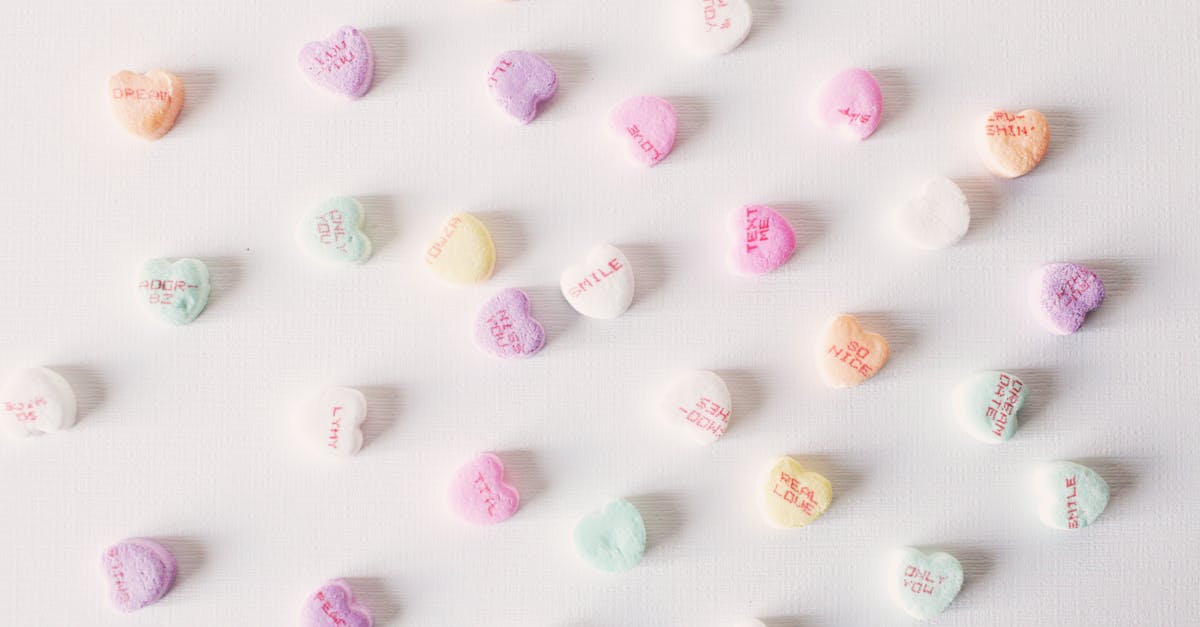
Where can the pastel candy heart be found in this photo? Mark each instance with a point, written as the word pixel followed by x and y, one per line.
pixel 851 103
pixel 36 400
pixel 506 328
pixel 986 405
pixel 713 27
pixel 334 605
pixel 332 232
pixel 924 585
pixel 613 539
pixel 139 572
pixel 847 355
pixel 1069 495
pixel 146 104
pixel 648 126
pixel 330 421
pixel 937 218
pixel 174 292
pixel 762 240
pixel 699 403
pixel 792 497
pixel 344 63
pixel 519 82
pixel 602 287
pixel 1062 294
pixel 479 494
pixel 1012 145
pixel 463 252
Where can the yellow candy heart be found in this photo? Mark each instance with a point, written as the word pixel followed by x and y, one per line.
pixel 463 251
pixel 1013 144
pixel 792 496
pixel 847 355
pixel 146 104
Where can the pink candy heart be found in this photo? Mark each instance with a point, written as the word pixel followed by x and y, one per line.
pixel 520 81
pixel 763 240
pixel 334 606
pixel 479 495
pixel 648 125
pixel 344 63
pixel 139 573
pixel 1062 294
pixel 850 102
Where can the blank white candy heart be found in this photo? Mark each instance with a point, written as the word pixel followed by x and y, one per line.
pixel 36 400
pixel 330 421
pixel 603 286
pixel 937 218
pixel 713 27
pixel 699 403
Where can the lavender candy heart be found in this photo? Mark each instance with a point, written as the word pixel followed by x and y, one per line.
pixel 520 81
pixel 344 63
pixel 139 572
pixel 334 605
pixel 1062 294
pixel 506 328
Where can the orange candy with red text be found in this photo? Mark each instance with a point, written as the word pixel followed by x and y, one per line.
pixel 847 355
pixel 146 104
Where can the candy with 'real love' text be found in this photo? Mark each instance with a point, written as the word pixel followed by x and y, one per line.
pixel 791 497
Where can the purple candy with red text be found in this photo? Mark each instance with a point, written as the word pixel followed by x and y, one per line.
pixel 1062 294
pixel 334 605
pixel 506 328
pixel 139 572
pixel 520 81
pixel 344 63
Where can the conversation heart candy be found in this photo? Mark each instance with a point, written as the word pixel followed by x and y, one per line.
pixel 146 104
pixel 602 287
pixel 924 585
pixel 712 27
pixel 937 218
pixel 344 63
pixel 334 605
pixel 174 292
pixel 647 125
pixel 850 103
pixel 479 494
pixel 1012 145
pixel 986 405
pixel 1062 294
pixel 699 403
pixel 1069 495
pixel 330 421
pixel 762 240
pixel 847 355
pixel 139 572
pixel 332 232
pixel 506 328
pixel 519 82
pixel 36 400
pixel 792 497
pixel 613 539
pixel 463 251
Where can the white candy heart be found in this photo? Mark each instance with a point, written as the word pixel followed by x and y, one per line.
pixel 699 403
pixel 937 218
pixel 924 585
pixel 713 27
pixel 330 421
pixel 603 286
pixel 36 400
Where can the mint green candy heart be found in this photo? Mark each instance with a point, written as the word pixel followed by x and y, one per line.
pixel 174 292
pixel 613 539
pixel 1070 495
pixel 986 405
pixel 332 232
pixel 924 585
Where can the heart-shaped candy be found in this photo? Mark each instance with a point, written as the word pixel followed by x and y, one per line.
pixel 924 585
pixel 334 605
pixel 344 63
pixel 463 251
pixel 330 421
pixel 506 328
pixel 648 126
pixel 937 218
pixel 847 355
pixel 762 240
pixel 479 494
pixel 332 232
pixel 792 497
pixel 1012 145
pixel 713 27
pixel 613 539
pixel 1069 495
pixel 602 287
pixel 139 572
pixel 986 405
pixel 519 82
pixel 851 103
pixel 146 104
pixel 174 292
pixel 1062 294
pixel 36 400
pixel 699 403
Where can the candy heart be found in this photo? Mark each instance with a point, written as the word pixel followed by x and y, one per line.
pixel 613 539
pixel 139 572
pixel 847 355
pixel 1012 145
pixel 36 400
pixel 986 405
pixel 519 82
pixel 146 104
pixel 479 495
pixel 937 218
pixel 344 63
pixel 506 328
pixel 1069 495
pixel 763 240
pixel 330 421
pixel 648 126
pixel 334 605
pixel 602 287
pixel 850 102
pixel 464 252
pixel 699 403
pixel 715 26
pixel 332 232
pixel 793 497
pixel 1062 294
pixel 174 292
pixel 924 585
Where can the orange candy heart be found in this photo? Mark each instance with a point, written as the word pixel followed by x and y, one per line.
pixel 146 104
pixel 1013 144
pixel 847 355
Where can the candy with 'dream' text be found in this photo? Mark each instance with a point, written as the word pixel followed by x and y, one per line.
pixel 601 287
pixel 329 421
pixel 1013 144
pixel 923 584
pixel 174 292
pixel 343 63
pixel 647 126
pixel 333 232
pixel 334 605
pixel 762 240
pixel 480 495
pixel 847 355
pixel 147 104
pixel 936 218
pixel 712 27
pixel 519 82
pixel 36 400
pixel 613 539
pixel 699 404
pixel 463 251
pixel 1069 495
pixel 850 103
pixel 790 496
pixel 986 405
pixel 139 571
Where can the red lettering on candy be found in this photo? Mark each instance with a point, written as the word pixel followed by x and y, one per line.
pixel 613 266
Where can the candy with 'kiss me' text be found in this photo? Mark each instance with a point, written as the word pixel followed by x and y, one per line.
pixel 762 240
pixel 1069 495
pixel 712 27
pixel 847 355
pixel 506 328
pixel 1013 144
pixel 647 126
pixel 174 292
pixel 699 404
pixel 36 400
pixel 936 218
pixel 1062 294
pixel 601 287
pixel 463 251
pixel 519 82
pixel 850 103
pixel 791 497
pixel 147 104
pixel 139 571
pixel 343 63
pixel 986 405
pixel 330 420
pixel 480 495
pixel 613 539
pixel 923 584
pixel 334 605
pixel 333 232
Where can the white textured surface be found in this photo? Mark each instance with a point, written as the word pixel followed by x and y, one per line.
pixel 183 432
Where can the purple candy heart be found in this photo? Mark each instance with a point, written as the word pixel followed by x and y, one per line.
pixel 1062 294
pixel 344 63
pixel 139 572
pixel 506 328
pixel 519 81
pixel 334 606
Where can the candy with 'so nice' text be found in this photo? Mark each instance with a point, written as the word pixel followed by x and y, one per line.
pixel 847 355
pixel 147 104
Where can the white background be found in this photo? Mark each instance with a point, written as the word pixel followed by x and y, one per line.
pixel 184 433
